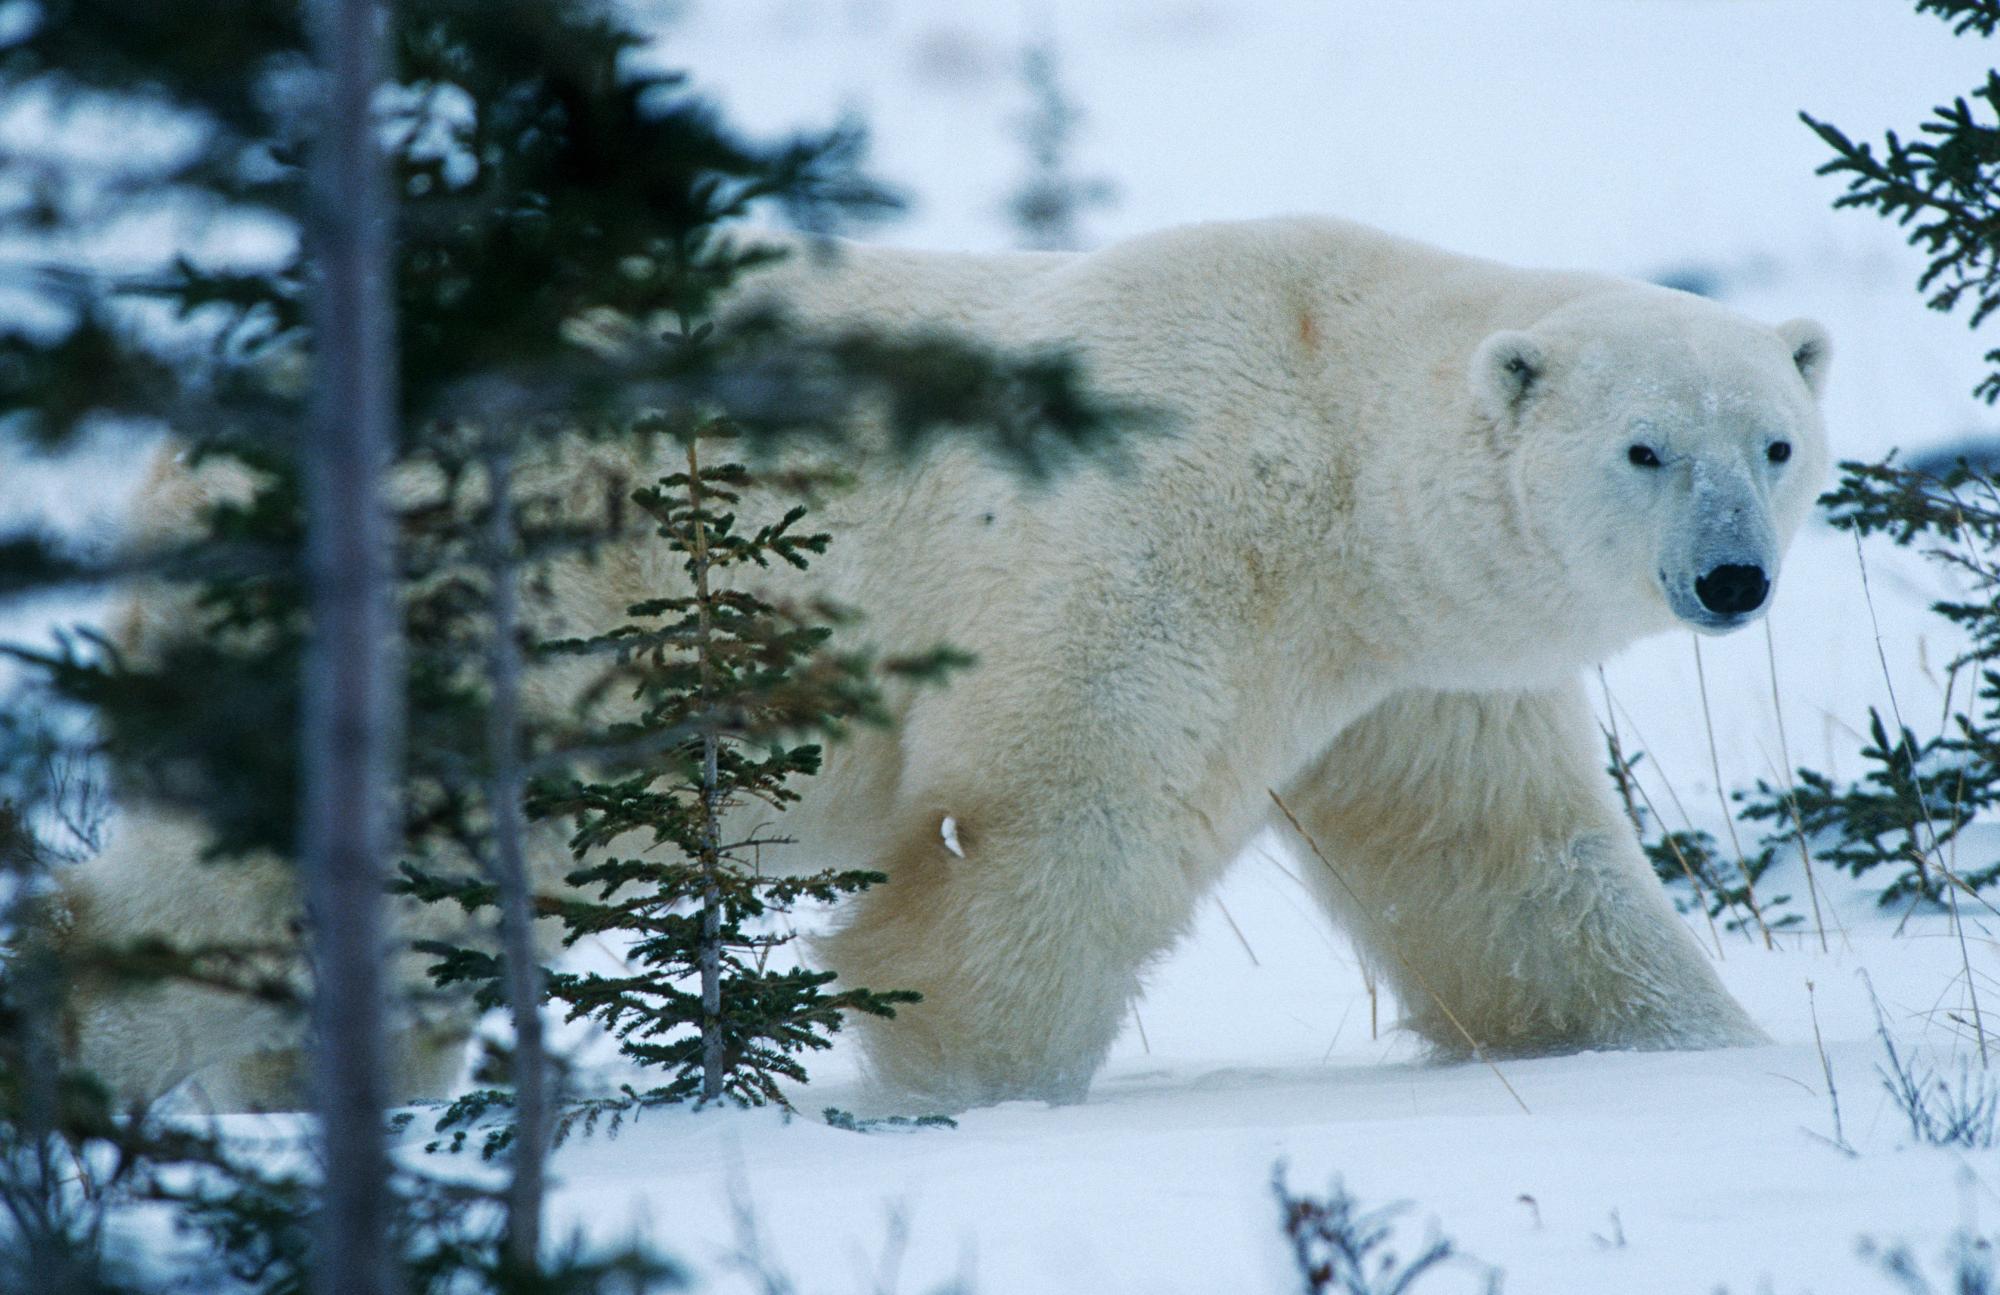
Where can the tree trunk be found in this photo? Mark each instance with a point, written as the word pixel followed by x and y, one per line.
pixel 352 702
pixel 713 1063
pixel 510 874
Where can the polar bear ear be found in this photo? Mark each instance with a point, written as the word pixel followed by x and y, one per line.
pixel 1507 372
pixel 1811 349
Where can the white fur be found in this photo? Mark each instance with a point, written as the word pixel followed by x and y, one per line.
pixel 1361 561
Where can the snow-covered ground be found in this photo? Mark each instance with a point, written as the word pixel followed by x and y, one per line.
pixel 1645 137
pixel 1678 1172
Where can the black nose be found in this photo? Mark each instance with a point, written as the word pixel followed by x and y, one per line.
pixel 1732 589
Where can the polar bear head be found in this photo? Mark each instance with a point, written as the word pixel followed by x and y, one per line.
pixel 1664 449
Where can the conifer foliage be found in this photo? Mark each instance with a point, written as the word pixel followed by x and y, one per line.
pixel 725 681
pixel 1905 815
pixel 560 200
pixel 1051 199
pixel 1939 184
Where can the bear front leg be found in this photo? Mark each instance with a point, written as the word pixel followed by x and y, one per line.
pixel 1024 933
pixel 1477 856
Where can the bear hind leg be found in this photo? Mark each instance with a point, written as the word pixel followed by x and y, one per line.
pixel 1026 947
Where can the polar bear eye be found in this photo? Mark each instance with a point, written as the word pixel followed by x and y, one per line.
pixel 1642 456
pixel 1779 451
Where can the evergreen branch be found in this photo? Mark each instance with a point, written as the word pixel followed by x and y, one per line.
pixel 1982 16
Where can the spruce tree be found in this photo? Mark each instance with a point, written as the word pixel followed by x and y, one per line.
pixel 1940 185
pixel 726 682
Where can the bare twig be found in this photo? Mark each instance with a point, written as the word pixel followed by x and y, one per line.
pixel 1621 768
pixel 1826 1068
pixel 1909 753
pixel 1791 790
pixel 1687 869
pixel 1722 798
pixel 1248 951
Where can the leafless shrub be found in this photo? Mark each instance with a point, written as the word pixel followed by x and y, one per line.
pixel 1943 1111
pixel 1341 1249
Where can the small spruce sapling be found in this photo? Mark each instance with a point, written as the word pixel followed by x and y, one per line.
pixel 1692 856
pixel 1907 810
pixel 725 682
pixel 1912 804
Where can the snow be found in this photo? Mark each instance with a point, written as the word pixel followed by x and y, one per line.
pixel 1646 137
pixel 1718 1167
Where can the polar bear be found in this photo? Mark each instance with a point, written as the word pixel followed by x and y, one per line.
pixel 1400 499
